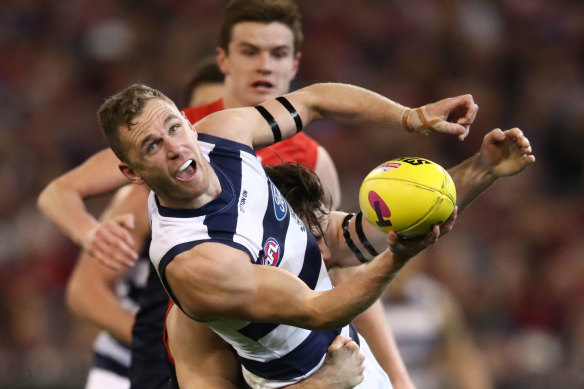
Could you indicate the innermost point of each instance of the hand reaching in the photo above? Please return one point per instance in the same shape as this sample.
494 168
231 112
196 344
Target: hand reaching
111 243
453 115
506 152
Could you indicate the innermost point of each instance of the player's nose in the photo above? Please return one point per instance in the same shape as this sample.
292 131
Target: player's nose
173 148
264 63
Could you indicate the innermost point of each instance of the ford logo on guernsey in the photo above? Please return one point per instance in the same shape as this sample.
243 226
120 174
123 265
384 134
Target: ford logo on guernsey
280 205
271 252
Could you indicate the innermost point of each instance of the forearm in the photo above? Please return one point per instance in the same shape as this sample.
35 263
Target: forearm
350 104
359 291
373 325
91 296
62 200
108 314
65 207
471 177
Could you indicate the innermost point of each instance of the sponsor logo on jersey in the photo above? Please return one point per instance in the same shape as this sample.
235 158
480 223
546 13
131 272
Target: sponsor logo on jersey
280 205
242 201
271 253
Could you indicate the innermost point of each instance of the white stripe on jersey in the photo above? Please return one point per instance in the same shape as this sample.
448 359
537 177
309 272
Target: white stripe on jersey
107 346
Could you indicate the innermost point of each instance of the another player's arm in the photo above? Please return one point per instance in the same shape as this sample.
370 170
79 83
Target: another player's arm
90 292
327 173
62 203
337 102
373 325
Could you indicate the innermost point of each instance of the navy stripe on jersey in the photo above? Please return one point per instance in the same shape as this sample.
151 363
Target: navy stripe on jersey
222 225
106 363
312 262
299 361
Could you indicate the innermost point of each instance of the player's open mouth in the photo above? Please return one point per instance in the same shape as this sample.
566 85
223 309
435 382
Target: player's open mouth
262 85
187 170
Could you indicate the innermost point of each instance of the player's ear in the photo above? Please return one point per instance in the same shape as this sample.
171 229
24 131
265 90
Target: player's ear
189 124
130 174
296 64
222 60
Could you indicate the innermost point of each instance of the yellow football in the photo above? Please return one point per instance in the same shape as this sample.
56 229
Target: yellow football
407 195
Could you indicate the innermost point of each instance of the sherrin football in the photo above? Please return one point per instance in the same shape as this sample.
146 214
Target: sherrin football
407 195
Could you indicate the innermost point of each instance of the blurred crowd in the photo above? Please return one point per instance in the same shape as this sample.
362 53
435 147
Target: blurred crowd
515 260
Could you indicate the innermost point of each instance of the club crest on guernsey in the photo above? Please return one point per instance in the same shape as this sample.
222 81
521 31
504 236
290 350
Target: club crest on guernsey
280 205
271 253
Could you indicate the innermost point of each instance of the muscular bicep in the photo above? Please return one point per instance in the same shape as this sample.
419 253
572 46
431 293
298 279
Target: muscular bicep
214 281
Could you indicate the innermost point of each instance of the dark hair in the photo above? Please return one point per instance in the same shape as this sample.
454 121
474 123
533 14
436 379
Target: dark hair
206 72
303 190
262 11
121 109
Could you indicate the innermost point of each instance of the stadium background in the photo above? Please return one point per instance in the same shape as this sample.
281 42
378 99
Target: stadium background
515 260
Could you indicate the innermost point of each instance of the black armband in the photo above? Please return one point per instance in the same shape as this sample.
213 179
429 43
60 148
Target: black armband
349 240
361 234
297 120
270 119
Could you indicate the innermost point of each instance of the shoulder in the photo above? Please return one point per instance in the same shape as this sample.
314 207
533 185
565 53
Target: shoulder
194 114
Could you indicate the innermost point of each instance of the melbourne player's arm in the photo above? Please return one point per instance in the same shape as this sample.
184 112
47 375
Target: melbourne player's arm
90 290
62 202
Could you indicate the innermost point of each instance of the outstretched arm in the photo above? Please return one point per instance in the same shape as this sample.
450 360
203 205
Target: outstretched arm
341 103
91 292
213 281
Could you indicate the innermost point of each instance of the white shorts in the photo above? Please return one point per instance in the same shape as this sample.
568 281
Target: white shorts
374 376
99 379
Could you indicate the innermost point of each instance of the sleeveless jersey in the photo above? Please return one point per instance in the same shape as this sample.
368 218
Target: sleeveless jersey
251 215
109 354
299 147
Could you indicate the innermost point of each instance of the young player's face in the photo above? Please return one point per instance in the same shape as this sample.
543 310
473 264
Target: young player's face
260 63
162 150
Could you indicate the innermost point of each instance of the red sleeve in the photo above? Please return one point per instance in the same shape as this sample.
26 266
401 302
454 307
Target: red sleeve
194 114
165 333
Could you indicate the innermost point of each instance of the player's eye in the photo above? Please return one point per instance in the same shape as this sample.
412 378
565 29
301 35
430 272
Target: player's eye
151 147
174 128
280 54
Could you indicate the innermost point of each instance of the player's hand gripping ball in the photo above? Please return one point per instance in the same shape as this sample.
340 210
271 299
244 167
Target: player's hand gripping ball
408 196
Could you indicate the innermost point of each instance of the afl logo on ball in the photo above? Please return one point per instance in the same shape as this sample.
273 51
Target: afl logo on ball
280 205
271 252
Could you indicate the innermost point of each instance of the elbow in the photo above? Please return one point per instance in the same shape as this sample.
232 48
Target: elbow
74 297
43 199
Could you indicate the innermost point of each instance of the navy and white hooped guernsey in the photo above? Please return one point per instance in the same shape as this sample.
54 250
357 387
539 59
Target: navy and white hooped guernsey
250 214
